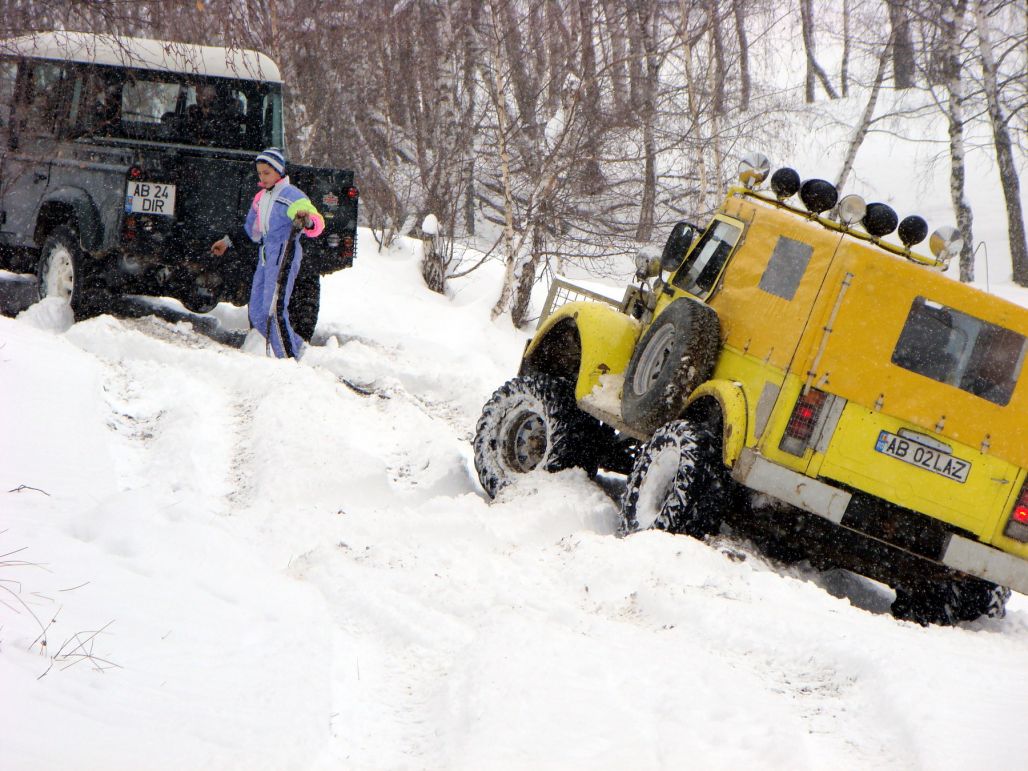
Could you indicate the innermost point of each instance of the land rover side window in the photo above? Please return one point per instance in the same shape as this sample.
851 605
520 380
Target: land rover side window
8 76
786 267
699 272
96 103
952 347
42 103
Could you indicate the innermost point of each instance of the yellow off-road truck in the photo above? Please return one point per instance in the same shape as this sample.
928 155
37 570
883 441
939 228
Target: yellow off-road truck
787 373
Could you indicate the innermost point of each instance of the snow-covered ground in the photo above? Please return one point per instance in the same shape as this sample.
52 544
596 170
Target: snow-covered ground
244 563
291 575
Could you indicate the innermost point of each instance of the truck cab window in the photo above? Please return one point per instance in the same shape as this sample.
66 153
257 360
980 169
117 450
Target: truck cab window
699 272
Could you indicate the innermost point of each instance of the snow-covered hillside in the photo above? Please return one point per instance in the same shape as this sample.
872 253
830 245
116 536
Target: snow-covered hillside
289 574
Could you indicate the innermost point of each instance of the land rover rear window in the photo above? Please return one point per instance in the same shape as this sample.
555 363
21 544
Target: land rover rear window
786 267
699 272
951 347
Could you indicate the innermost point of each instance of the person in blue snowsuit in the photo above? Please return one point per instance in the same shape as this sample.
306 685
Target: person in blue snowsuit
280 213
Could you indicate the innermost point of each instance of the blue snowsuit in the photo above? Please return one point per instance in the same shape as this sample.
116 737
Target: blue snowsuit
272 281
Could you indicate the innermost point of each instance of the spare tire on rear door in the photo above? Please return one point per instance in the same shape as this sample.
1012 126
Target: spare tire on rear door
676 354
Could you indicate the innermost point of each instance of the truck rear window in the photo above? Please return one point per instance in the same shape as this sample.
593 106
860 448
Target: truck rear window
951 347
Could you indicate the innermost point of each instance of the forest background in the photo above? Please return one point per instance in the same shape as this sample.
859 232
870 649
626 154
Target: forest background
569 132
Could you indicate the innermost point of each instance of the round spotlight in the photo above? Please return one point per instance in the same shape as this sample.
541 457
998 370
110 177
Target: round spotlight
818 195
946 243
785 182
852 209
880 219
753 169
912 230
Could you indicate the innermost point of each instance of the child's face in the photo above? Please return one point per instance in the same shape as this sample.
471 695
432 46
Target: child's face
267 175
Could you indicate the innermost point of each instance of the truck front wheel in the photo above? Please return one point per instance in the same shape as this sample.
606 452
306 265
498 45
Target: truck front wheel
678 483
63 273
530 422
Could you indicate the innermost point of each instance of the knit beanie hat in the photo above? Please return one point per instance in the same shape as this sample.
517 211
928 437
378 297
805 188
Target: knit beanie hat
274 158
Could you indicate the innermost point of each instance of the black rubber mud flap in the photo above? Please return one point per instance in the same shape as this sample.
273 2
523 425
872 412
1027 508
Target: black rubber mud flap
675 355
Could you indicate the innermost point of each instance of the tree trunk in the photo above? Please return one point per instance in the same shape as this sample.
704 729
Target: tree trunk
865 118
814 70
951 70
647 108
1004 152
844 68
902 46
744 55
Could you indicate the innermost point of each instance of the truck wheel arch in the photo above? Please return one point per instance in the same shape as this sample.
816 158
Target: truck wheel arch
582 341
73 206
723 401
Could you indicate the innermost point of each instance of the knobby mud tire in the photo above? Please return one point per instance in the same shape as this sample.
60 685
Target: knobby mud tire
675 355
531 422
678 483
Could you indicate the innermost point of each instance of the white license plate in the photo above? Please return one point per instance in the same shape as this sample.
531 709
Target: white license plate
150 198
922 456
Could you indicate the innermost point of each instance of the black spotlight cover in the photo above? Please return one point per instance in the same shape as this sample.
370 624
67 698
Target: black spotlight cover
818 195
912 230
880 219
785 182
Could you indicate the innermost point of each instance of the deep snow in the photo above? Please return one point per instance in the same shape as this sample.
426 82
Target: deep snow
292 575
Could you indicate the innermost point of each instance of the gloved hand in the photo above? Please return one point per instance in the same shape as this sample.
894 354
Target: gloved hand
302 222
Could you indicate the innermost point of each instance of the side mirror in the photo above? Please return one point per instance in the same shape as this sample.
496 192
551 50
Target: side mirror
677 245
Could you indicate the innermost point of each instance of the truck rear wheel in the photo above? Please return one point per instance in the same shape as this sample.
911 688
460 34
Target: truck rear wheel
949 601
305 303
529 422
676 354
63 273
678 484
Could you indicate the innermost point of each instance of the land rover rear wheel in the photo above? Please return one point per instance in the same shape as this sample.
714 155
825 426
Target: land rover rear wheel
63 273
678 484
529 422
676 354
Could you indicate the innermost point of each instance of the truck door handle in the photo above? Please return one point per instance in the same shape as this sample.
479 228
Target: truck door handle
39 176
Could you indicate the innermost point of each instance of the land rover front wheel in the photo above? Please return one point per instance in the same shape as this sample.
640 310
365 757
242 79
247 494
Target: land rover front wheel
529 422
678 484
63 273
676 354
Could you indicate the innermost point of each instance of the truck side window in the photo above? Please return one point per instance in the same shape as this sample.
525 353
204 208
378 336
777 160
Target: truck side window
786 267
699 272
8 76
952 347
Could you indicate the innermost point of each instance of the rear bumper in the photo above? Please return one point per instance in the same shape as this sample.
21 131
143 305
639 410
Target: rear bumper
814 496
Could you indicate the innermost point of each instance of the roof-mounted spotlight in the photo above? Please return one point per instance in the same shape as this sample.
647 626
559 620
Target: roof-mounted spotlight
753 169
784 183
945 243
912 230
818 195
852 209
880 219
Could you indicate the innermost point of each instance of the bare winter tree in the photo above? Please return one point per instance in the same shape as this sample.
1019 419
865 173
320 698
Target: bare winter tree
1004 150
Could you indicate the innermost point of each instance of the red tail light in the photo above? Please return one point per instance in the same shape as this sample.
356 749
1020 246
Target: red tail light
1017 525
128 231
347 251
802 422
352 193
135 173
